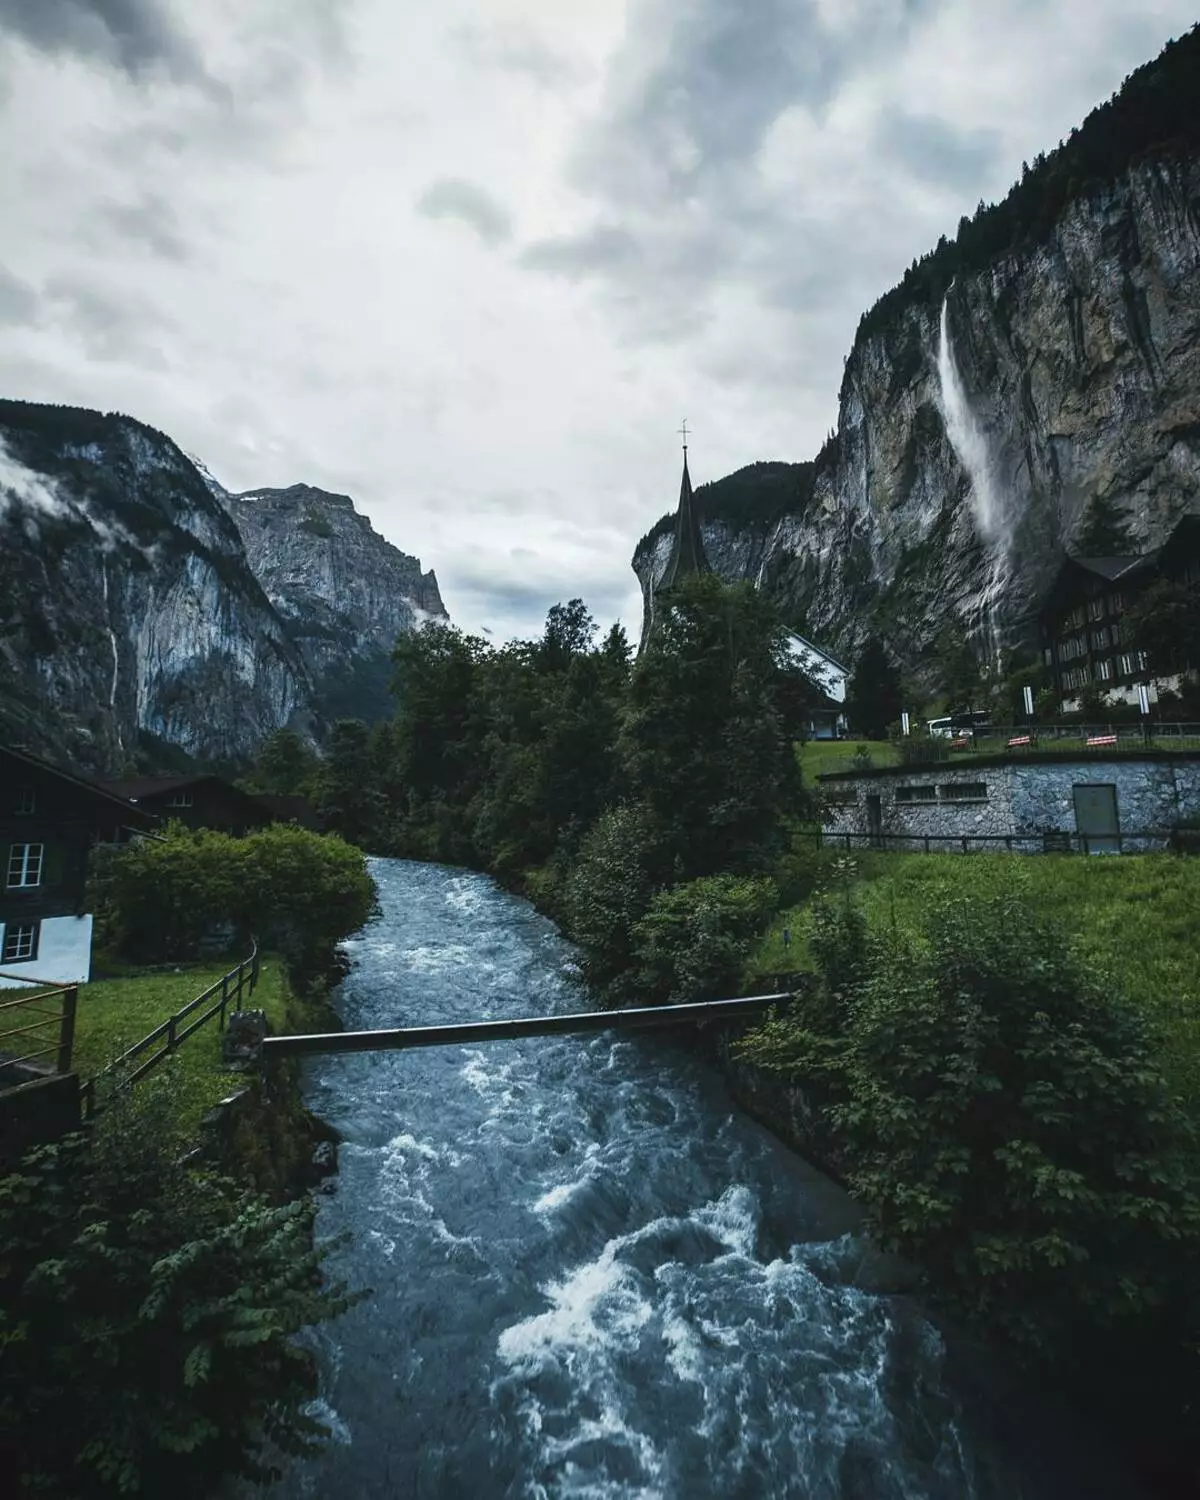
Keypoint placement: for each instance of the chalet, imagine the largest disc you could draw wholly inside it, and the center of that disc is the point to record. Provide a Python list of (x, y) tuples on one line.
[(687, 557), (200, 800), (49, 821), (1085, 637)]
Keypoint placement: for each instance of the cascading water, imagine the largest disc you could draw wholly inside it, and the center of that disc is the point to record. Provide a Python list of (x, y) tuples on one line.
[(970, 443), (595, 1279)]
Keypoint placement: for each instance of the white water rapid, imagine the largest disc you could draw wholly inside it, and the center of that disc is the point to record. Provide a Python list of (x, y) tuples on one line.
[(988, 506)]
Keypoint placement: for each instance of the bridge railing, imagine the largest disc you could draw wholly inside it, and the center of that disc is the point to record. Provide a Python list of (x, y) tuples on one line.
[(468, 1032)]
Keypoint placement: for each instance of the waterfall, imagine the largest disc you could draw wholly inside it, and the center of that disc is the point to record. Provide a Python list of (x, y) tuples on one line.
[(112, 637), (970, 444)]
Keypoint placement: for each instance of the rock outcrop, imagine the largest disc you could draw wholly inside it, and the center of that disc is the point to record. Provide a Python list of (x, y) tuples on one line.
[(142, 624), (343, 591), (1039, 372), (130, 622)]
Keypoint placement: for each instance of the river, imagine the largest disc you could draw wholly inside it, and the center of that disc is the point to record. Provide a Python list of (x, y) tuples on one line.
[(594, 1277)]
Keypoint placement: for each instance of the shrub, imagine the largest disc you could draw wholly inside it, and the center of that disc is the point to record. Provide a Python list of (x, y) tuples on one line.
[(299, 892), (148, 1318), (694, 940)]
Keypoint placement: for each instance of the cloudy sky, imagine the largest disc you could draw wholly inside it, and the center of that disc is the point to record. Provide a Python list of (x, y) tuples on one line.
[(471, 262)]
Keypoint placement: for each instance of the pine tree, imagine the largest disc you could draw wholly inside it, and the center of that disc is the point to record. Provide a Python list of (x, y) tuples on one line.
[(875, 697)]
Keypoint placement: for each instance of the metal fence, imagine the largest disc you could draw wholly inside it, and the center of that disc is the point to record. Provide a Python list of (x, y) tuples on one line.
[(222, 995), (982, 843), (58, 1021)]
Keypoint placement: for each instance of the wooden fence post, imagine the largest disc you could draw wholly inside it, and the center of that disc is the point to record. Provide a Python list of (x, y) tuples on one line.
[(66, 1034), (225, 1000)]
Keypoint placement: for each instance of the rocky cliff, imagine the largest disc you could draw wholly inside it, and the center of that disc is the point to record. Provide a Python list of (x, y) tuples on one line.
[(1036, 375), (133, 628), (343, 591)]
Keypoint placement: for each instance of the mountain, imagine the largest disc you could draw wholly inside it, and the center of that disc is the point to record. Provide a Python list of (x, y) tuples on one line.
[(133, 627), (1028, 386), (343, 592)]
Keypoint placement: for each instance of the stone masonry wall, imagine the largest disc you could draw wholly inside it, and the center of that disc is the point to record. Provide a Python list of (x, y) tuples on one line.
[(1021, 800)]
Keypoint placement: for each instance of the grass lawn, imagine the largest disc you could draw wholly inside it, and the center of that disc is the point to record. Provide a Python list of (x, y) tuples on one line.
[(113, 1014), (1136, 915), (817, 757)]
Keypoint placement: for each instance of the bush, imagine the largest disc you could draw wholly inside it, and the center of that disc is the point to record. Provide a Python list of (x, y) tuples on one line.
[(297, 891), (923, 749), (148, 1318), (694, 940)]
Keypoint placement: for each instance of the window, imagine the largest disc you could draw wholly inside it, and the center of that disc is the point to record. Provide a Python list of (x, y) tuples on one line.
[(25, 865), (1069, 649), (1126, 666), (916, 794), (1048, 656), (1116, 602), (1076, 677), (1095, 609), (26, 802), (1074, 620), (839, 796), (20, 942), (1140, 658), (180, 799), (1100, 640), (1115, 631), (964, 791), (1104, 670)]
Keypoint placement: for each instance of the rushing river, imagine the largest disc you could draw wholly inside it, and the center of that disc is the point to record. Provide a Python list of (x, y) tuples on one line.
[(593, 1276)]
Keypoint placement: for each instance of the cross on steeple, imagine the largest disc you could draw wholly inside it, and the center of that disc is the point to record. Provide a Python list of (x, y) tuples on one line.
[(684, 431)]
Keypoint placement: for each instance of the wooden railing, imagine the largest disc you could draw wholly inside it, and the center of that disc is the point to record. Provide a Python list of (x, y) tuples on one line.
[(224, 993), (60, 1022)]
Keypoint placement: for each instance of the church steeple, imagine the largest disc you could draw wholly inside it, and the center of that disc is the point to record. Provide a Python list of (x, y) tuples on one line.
[(687, 549)]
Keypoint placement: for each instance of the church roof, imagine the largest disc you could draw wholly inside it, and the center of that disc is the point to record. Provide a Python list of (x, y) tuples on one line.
[(687, 548)]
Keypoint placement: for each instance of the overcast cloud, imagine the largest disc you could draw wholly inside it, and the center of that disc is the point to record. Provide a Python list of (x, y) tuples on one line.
[(471, 263)]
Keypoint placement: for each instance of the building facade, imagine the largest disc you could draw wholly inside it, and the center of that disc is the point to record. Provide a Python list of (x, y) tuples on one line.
[(1104, 803), (49, 822), (1084, 627), (200, 801)]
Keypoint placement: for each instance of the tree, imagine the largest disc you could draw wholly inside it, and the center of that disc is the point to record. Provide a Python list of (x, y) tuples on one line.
[(345, 789), (284, 764), (958, 669), (694, 940), (707, 741), (569, 631), (1165, 623), (874, 699), (1105, 530), (608, 892)]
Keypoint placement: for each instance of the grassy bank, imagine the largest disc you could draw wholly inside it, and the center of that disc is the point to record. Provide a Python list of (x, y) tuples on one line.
[(115, 1013), (1136, 914)]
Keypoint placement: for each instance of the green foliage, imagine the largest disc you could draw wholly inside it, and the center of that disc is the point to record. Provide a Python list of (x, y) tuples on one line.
[(316, 524), (693, 942), (709, 729), (149, 1314), (1165, 623), (1008, 1125), (874, 699), (921, 749), (958, 670), (298, 892), (284, 765), (343, 785), (1105, 530), (609, 890)]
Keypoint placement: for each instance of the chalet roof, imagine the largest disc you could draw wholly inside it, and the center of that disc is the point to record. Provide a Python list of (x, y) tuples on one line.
[(687, 548), (142, 788), (133, 816), (1112, 568)]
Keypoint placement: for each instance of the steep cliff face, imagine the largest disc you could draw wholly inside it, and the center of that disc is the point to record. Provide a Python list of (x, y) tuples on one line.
[(342, 590), (984, 419), (129, 618)]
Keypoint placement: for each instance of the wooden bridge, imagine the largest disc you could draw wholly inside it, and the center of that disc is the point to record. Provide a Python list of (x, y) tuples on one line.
[(696, 1012)]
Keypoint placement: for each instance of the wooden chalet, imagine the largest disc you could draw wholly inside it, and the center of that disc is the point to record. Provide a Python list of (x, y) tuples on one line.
[(49, 822), (201, 800), (1085, 638)]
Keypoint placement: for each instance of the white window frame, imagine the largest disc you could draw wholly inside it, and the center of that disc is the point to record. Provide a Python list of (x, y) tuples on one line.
[(25, 862), (19, 942), (180, 799)]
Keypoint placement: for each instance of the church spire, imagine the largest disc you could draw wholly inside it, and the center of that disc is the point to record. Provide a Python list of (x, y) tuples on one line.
[(687, 550)]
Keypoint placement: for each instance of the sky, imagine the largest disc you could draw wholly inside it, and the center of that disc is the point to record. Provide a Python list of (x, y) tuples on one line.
[(472, 263)]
